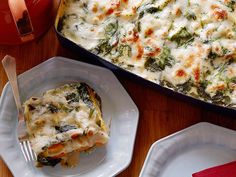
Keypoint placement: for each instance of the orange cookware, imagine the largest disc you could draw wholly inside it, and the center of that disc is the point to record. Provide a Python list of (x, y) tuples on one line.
[(24, 20)]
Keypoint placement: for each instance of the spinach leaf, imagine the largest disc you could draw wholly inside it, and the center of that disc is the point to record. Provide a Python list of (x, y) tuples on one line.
[(140, 15), (138, 26), (159, 63), (111, 28), (182, 37), (99, 123), (190, 16), (72, 98), (201, 90), (52, 108), (84, 94), (152, 10), (48, 161), (125, 50), (212, 55), (104, 47), (65, 128), (149, 8), (221, 98), (233, 80), (185, 87), (231, 5), (152, 65), (166, 83)]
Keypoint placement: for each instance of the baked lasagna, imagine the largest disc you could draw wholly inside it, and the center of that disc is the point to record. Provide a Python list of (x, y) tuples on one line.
[(188, 46), (64, 121)]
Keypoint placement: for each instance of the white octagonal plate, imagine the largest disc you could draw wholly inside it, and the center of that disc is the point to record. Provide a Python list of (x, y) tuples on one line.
[(196, 148), (116, 106)]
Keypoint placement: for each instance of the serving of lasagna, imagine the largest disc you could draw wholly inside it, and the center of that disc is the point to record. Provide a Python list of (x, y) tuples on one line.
[(64, 121), (188, 46)]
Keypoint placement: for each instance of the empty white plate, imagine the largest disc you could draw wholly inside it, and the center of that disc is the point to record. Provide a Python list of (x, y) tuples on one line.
[(191, 150), (116, 105)]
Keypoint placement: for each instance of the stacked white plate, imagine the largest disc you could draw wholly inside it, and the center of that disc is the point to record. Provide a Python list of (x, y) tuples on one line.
[(191, 150)]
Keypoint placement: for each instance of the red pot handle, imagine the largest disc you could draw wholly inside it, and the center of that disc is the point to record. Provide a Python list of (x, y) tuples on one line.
[(22, 19)]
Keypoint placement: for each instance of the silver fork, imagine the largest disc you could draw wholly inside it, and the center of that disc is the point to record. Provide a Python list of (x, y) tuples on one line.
[(9, 64)]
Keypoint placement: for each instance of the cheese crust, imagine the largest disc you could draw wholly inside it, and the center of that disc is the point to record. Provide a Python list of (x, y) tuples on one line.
[(64, 120), (186, 45)]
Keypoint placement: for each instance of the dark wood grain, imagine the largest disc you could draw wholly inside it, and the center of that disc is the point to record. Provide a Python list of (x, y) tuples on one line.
[(160, 114)]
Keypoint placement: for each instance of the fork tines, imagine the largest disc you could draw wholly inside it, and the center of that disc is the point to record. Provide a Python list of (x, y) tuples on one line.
[(28, 153)]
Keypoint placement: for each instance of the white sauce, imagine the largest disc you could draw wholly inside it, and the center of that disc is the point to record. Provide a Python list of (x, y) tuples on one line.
[(146, 30)]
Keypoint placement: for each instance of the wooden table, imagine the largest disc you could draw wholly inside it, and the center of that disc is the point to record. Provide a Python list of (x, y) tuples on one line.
[(160, 114)]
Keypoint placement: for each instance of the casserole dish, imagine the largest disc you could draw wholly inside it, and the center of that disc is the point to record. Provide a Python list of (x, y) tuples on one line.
[(166, 44)]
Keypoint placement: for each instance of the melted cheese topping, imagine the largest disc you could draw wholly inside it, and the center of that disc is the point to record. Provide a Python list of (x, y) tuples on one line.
[(64, 120), (185, 45)]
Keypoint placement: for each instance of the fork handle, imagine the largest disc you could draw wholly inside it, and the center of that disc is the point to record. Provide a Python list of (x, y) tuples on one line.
[(9, 64)]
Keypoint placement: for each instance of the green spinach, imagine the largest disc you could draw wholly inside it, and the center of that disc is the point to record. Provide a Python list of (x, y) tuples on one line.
[(111, 28), (125, 50), (182, 37), (159, 63)]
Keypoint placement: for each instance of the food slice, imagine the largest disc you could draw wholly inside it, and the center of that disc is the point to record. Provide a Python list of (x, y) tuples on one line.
[(63, 121)]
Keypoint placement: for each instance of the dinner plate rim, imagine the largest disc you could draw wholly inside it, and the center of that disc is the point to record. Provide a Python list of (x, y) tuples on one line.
[(183, 131)]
